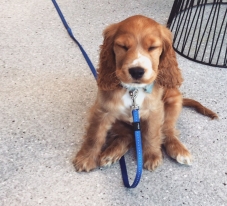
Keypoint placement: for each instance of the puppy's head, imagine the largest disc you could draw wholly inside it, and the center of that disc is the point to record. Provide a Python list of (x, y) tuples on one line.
[(137, 52)]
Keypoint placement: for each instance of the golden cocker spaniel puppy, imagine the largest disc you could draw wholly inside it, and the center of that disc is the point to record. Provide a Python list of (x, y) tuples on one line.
[(136, 53)]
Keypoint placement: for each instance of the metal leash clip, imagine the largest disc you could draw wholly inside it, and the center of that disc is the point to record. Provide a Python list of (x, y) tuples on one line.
[(133, 94)]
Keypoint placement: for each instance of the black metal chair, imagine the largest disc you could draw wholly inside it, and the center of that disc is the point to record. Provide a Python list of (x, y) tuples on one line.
[(199, 30)]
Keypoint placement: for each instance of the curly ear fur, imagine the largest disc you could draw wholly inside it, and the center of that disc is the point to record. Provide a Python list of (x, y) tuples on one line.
[(107, 79), (169, 74)]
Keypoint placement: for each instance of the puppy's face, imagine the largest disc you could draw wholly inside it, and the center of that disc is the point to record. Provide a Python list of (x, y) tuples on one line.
[(137, 48)]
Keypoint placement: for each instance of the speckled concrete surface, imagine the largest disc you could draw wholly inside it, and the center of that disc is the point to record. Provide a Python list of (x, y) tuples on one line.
[(45, 91)]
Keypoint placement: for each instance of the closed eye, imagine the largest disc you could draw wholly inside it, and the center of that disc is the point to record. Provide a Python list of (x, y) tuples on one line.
[(123, 47), (151, 48)]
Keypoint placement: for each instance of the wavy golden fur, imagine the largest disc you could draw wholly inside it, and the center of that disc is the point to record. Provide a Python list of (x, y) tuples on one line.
[(135, 53)]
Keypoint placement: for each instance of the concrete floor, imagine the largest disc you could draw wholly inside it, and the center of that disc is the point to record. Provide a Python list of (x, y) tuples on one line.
[(45, 90)]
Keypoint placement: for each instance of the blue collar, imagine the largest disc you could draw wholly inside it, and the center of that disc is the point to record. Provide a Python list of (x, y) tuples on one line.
[(148, 88)]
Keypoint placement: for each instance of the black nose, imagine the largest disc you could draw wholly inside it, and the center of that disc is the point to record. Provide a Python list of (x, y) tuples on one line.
[(136, 72)]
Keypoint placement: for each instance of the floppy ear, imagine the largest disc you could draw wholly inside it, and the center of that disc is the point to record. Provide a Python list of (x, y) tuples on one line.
[(169, 75), (107, 79)]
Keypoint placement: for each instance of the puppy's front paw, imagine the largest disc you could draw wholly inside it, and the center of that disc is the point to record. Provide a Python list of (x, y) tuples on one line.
[(178, 151), (184, 158), (152, 160), (84, 163)]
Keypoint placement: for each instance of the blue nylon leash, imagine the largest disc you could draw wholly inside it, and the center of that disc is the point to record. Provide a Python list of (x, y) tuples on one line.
[(139, 153), (135, 114), (93, 70)]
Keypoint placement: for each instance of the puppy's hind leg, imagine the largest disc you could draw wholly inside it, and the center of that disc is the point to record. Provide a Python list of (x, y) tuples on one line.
[(120, 140)]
